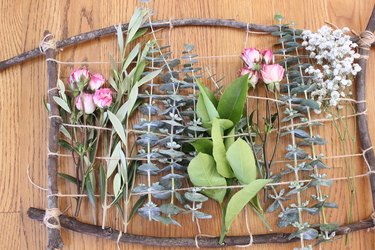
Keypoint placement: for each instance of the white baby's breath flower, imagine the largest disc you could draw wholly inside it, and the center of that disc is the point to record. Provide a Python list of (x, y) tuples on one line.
[(334, 56)]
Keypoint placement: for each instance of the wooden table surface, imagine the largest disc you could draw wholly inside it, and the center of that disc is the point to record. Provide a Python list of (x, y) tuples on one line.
[(23, 120)]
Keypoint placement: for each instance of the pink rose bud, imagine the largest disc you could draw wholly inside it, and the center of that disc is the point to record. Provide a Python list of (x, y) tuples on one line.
[(78, 75), (96, 81), (251, 56), (103, 97), (267, 56), (253, 76), (272, 73), (88, 102)]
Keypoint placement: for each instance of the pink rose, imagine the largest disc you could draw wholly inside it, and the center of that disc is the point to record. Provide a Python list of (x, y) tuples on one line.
[(96, 81), (103, 97), (251, 56), (267, 56), (272, 73), (78, 75), (253, 76), (88, 103)]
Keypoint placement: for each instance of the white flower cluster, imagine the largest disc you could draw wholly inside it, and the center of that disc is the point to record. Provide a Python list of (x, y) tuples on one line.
[(334, 66)]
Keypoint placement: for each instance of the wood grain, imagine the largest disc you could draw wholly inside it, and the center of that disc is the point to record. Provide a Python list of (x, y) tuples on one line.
[(23, 124)]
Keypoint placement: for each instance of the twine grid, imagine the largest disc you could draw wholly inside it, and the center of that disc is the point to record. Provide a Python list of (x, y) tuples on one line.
[(366, 38)]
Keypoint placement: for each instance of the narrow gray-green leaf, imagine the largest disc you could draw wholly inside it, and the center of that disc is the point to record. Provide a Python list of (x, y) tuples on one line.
[(149, 77), (115, 158), (242, 161), (65, 132), (218, 151), (241, 198), (117, 125), (120, 38), (232, 101), (202, 173), (62, 103), (117, 185), (133, 53)]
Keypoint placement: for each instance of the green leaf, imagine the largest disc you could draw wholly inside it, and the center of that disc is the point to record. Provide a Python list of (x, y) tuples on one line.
[(68, 177), (202, 111), (117, 185), (241, 198), (232, 101), (230, 139), (203, 146), (133, 53), (115, 158), (120, 39), (90, 190), (102, 183), (222, 164), (116, 123), (209, 106), (135, 23), (65, 132), (202, 173), (139, 33), (210, 95), (149, 77), (136, 206), (62, 104), (242, 161)]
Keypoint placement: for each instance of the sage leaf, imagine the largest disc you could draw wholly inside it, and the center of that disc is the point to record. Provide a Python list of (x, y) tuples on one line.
[(148, 77), (62, 104), (115, 158), (241, 198), (219, 151), (241, 159), (203, 146), (232, 101), (117, 185), (202, 173), (116, 123)]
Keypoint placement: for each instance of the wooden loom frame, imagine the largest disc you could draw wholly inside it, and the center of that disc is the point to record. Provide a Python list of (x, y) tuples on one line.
[(70, 223)]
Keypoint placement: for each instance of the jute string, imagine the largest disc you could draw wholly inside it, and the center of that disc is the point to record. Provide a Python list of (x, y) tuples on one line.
[(44, 45), (52, 213)]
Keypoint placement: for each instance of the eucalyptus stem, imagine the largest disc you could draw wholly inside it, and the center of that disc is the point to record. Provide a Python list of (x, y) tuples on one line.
[(293, 138)]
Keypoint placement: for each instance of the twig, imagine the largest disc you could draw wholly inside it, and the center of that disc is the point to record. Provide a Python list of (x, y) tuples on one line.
[(54, 237), (71, 223)]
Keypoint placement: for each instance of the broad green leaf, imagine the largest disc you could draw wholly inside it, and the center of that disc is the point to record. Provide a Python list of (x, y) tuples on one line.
[(242, 161), (202, 173), (210, 95), (241, 198), (203, 146), (202, 111), (117, 185), (133, 53), (115, 158), (149, 77), (117, 125), (228, 141), (222, 164), (62, 104), (210, 107), (232, 101)]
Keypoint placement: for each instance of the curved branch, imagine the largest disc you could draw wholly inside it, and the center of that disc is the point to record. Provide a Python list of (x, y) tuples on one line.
[(364, 135), (91, 35), (72, 224)]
